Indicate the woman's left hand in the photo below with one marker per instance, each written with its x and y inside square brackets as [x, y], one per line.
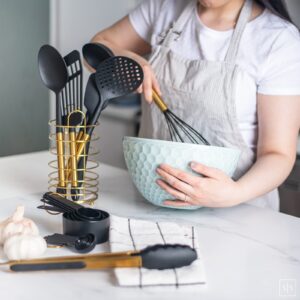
[215, 189]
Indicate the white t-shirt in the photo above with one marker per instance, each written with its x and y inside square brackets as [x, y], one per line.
[269, 53]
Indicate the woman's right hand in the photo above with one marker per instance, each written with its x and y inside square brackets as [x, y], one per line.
[123, 40]
[150, 82]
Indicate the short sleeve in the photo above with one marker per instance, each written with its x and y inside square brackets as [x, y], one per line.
[280, 74]
[143, 17]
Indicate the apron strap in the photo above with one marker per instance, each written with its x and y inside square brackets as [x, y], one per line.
[244, 18]
[177, 26]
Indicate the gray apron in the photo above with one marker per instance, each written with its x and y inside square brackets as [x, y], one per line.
[202, 94]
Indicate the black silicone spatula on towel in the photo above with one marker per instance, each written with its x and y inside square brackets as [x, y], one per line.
[158, 257]
[115, 77]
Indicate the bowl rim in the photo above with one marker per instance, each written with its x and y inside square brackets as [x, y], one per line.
[179, 144]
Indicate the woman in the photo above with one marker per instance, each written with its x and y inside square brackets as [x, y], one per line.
[229, 68]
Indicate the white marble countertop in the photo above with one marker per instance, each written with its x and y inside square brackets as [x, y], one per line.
[249, 253]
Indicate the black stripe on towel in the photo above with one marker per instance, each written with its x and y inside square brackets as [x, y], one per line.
[134, 247]
[163, 238]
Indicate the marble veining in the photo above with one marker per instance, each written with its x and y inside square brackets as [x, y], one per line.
[248, 252]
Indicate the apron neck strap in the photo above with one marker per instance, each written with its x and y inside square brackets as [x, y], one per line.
[177, 27]
[175, 31]
[244, 18]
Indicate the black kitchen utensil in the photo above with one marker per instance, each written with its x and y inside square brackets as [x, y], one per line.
[91, 102]
[82, 244]
[73, 90]
[178, 129]
[76, 224]
[51, 208]
[115, 77]
[60, 202]
[77, 219]
[96, 53]
[154, 257]
[54, 74]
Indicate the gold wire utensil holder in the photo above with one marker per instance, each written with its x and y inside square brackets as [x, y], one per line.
[80, 179]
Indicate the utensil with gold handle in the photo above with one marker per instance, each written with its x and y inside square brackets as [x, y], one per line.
[153, 257]
[54, 74]
[115, 77]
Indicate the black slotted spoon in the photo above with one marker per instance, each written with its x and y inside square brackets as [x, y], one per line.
[115, 77]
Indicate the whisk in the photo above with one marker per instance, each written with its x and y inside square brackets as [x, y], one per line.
[179, 130]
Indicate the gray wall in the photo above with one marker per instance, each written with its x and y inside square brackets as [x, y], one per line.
[24, 104]
[294, 9]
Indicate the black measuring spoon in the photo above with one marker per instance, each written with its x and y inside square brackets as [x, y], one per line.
[82, 244]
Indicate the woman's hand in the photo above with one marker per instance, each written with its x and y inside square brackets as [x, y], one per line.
[215, 189]
[123, 40]
[150, 81]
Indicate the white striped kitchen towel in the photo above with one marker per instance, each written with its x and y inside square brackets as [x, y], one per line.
[132, 234]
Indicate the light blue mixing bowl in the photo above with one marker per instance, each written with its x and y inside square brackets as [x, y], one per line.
[143, 156]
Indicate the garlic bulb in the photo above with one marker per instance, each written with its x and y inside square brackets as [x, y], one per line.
[17, 224]
[24, 246]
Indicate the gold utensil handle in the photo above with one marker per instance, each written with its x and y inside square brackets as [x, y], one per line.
[96, 261]
[82, 140]
[73, 158]
[60, 159]
[158, 101]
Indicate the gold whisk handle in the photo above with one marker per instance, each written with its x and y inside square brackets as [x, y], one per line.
[158, 101]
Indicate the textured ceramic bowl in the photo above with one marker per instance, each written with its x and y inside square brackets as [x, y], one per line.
[143, 156]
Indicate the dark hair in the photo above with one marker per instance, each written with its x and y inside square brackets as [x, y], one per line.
[277, 7]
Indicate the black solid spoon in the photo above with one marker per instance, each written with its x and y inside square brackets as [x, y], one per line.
[96, 53]
[54, 74]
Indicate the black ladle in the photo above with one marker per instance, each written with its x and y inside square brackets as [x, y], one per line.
[54, 74]
[95, 54]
